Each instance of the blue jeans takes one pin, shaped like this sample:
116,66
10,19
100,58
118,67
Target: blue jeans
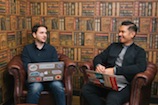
55,87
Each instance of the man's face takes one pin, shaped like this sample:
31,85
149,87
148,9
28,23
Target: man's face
41,35
126,36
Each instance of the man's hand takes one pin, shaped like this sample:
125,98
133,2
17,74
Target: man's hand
100,68
109,71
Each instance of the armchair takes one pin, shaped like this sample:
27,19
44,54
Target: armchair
16,69
141,85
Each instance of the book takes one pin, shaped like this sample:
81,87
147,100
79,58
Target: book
69,23
86,54
106,24
101,40
13,22
79,38
89,39
18,38
52,8
97,26
145,25
61,23
114,82
141,40
65,38
3,40
88,8
11,39
54,38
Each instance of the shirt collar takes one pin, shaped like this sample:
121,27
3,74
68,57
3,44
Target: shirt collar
44,47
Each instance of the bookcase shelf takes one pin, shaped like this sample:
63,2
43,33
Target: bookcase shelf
78,28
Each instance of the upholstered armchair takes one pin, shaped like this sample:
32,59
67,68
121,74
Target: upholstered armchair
16,69
141,85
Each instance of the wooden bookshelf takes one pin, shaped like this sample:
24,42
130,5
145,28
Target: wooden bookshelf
78,28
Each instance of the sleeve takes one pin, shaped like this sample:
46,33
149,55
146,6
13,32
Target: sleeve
55,55
25,58
102,57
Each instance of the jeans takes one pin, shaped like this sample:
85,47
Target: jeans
55,87
92,95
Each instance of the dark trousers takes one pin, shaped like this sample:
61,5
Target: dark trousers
93,94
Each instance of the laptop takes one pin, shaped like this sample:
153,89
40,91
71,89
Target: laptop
45,71
114,82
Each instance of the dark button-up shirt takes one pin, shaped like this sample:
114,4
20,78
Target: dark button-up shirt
31,54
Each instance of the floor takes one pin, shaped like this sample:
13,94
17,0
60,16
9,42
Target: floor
76,101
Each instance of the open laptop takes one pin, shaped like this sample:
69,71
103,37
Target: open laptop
115,82
45,71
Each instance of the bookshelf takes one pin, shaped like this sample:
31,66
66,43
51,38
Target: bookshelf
78,28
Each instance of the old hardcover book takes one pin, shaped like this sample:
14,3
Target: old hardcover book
145,25
106,24
54,38
88,8
24,37
55,24
89,39
65,38
29,37
141,40
18,38
97,24
3,41
2,23
53,8
62,23
86,54
69,23
126,8
36,20
101,40
86,24
11,39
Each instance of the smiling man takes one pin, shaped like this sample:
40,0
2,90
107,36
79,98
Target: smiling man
40,51
121,58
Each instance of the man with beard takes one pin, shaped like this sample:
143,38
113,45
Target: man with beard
121,58
40,51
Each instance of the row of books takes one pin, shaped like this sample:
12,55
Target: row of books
73,38
105,24
12,22
12,39
99,40
13,7
98,8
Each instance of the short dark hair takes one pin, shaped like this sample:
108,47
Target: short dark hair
132,26
35,27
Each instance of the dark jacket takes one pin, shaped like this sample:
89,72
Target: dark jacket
134,60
